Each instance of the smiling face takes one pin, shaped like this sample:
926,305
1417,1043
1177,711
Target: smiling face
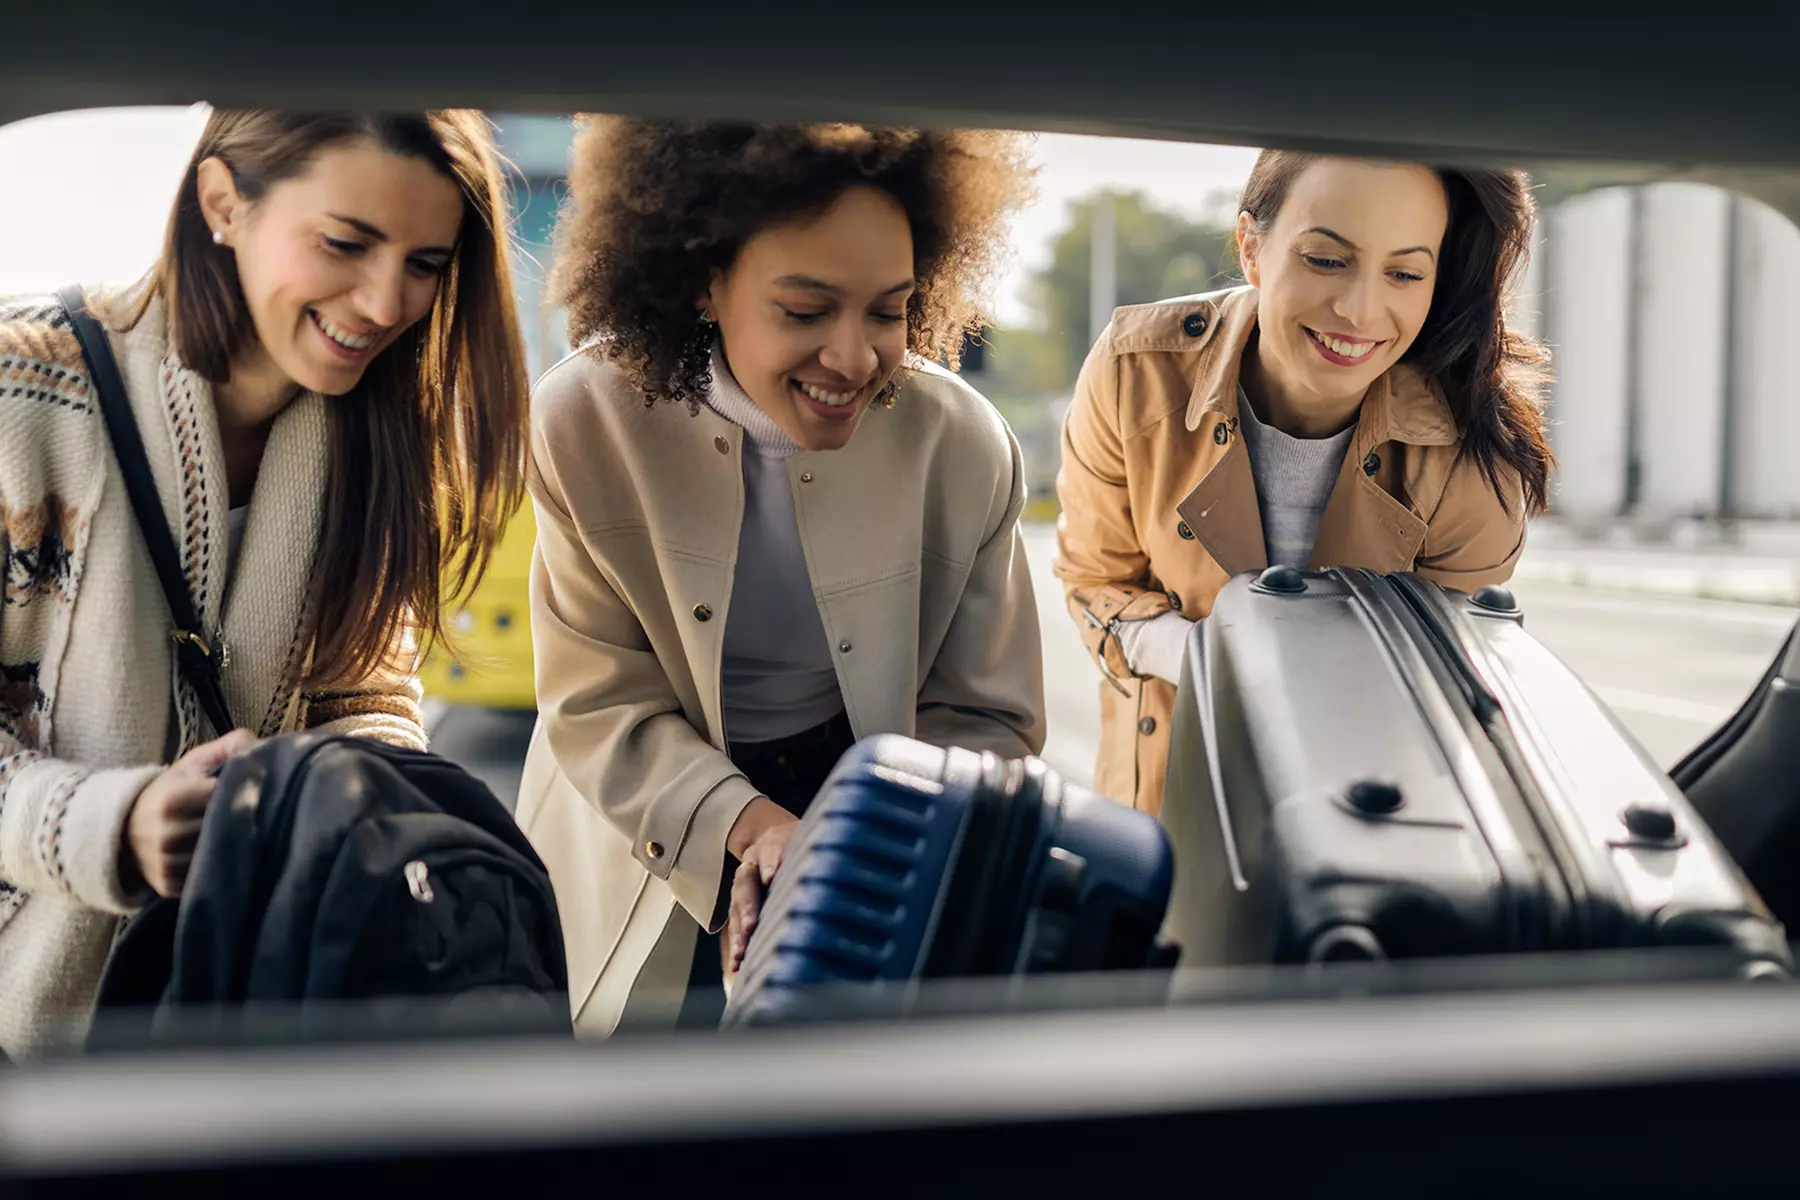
335,263
812,315
1345,273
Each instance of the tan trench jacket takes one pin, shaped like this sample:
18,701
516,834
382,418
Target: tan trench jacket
1159,505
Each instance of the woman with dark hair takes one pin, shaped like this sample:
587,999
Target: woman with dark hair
768,523
325,370
1361,403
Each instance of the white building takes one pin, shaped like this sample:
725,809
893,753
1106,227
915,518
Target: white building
1666,308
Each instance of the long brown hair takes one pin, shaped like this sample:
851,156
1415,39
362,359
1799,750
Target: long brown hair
427,451
1492,375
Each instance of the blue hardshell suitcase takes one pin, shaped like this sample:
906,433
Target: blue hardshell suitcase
916,862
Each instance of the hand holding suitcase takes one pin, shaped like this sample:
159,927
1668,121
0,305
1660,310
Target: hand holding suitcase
916,862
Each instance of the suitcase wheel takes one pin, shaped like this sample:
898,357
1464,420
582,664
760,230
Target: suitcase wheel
1345,943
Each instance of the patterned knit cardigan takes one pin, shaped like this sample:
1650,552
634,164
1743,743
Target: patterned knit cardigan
91,704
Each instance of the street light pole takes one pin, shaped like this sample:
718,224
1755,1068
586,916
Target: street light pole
1103,252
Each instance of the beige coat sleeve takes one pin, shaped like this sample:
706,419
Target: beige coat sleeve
613,720
985,691
62,823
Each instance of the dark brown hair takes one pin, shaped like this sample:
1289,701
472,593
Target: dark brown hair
1492,376
656,207
427,451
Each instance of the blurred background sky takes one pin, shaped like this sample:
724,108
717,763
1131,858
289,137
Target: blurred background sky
99,213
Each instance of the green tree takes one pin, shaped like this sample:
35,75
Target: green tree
1022,369
1159,254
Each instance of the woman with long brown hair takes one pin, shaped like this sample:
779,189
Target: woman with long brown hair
1362,403
325,370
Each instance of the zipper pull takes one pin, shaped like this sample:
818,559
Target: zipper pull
418,881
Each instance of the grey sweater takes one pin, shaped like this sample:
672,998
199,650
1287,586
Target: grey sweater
1294,477
777,674
1293,482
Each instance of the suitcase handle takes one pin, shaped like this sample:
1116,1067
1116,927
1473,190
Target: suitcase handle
1427,607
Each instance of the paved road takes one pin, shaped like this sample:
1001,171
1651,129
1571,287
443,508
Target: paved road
1672,669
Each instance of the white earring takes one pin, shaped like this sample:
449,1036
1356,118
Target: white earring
218,237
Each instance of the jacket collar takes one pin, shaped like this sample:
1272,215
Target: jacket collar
1402,405
727,397
259,622
1363,521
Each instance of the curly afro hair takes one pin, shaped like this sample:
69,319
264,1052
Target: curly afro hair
656,207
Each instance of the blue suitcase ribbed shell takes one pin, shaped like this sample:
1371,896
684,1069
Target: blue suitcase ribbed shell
867,889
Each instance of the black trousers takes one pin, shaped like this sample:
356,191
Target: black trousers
789,772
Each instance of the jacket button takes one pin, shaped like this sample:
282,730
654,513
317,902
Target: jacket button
653,850
1372,463
844,646
1187,535
806,477
1194,324
702,612
721,445
1221,434
1147,726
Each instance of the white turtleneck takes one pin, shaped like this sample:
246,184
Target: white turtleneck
778,677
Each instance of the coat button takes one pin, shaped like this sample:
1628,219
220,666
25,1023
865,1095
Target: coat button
702,612
1147,726
844,646
1372,463
1187,535
1221,434
653,850
721,445
806,477
1194,324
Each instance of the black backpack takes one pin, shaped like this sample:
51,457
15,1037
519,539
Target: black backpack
328,868
334,868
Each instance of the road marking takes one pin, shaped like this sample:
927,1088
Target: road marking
1568,598
1657,705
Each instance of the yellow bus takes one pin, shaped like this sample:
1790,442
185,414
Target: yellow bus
492,629
493,632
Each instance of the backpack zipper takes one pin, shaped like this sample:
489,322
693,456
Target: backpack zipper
418,881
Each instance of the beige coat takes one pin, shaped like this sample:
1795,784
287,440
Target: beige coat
918,567
1159,506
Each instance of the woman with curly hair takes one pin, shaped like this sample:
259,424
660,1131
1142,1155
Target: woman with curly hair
769,524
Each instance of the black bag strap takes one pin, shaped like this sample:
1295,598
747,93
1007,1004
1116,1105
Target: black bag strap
194,654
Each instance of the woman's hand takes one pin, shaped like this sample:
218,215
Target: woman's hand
1156,646
759,839
164,823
